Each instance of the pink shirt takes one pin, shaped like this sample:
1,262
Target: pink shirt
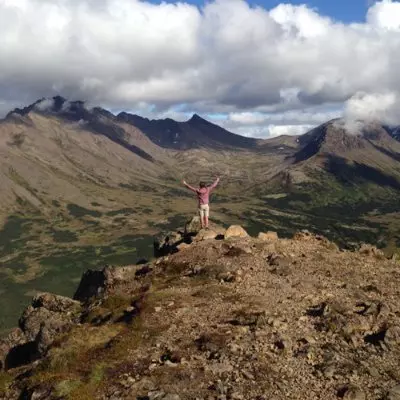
203,194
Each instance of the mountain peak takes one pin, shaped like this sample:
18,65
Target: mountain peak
58,105
58,102
196,118
195,132
44,105
340,136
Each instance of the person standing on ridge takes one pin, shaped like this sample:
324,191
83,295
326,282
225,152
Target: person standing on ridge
203,196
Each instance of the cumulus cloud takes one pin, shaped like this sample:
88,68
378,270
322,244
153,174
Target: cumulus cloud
374,106
259,67
363,108
385,15
265,125
271,130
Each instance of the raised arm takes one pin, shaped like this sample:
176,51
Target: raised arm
190,187
214,184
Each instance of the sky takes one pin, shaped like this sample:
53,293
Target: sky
259,68
341,10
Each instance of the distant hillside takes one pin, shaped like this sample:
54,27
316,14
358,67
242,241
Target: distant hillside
194,133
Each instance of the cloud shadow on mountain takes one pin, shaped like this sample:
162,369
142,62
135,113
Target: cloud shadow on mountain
358,173
116,134
391,154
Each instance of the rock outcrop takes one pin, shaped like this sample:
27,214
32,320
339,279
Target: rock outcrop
46,318
268,236
95,284
243,318
206,234
170,242
14,340
193,226
235,231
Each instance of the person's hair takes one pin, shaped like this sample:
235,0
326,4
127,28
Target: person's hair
203,185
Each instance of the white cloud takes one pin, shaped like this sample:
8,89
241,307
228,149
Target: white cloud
258,66
278,130
265,131
262,125
295,117
300,20
374,106
247,118
363,108
45,105
385,15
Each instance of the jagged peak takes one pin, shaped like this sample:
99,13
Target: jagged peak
341,128
42,105
196,118
125,114
62,106
354,127
137,118
330,137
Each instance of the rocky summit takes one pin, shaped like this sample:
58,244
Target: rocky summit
220,315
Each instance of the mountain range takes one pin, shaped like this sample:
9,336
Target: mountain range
79,184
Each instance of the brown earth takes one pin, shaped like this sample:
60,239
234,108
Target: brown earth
238,318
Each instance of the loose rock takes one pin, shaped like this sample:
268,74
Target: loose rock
394,393
235,231
268,236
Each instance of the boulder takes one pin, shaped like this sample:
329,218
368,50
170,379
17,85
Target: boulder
206,234
37,393
48,316
268,236
394,393
96,283
218,229
49,330
116,275
166,243
92,284
170,242
392,338
55,303
279,264
235,231
371,251
236,249
354,393
15,338
31,320
48,309
193,226
183,246
51,314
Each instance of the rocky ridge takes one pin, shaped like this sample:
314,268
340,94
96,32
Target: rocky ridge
220,315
